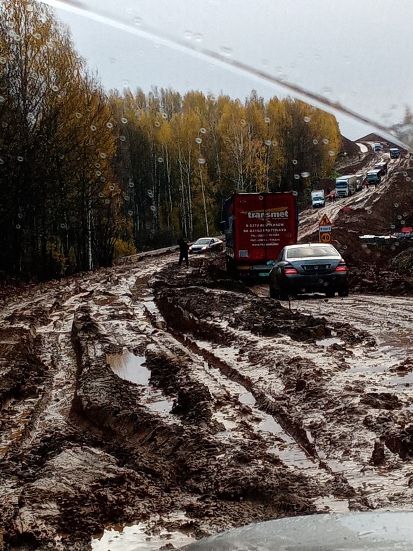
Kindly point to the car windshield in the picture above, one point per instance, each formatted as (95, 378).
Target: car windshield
(310, 252)
(203, 241)
(156, 386)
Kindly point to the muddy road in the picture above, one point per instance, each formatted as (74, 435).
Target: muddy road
(145, 406)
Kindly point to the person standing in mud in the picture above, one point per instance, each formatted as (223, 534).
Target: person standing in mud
(183, 252)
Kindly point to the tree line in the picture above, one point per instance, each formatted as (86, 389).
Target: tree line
(86, 175)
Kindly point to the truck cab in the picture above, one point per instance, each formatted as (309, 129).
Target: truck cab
(394, 153)
(374, 176)
(377, 147)
(346, 185)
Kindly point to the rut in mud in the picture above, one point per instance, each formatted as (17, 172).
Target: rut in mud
(183, 403)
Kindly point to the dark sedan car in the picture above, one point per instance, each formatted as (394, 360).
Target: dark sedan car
(308, 268)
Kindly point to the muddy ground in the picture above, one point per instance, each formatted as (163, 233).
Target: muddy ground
(181, 403)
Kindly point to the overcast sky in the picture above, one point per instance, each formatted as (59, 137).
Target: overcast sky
(355, 52)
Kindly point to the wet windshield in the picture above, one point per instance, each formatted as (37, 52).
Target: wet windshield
(156, 385)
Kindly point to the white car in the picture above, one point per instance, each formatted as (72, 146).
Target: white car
(206, 244)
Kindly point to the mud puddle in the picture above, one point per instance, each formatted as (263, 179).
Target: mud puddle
(132, 368)
(129, 367)
(145, 537)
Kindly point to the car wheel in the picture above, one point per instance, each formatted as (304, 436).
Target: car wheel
(343, 293)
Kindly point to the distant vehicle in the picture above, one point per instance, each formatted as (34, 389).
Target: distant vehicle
(313, 267)
(382, 166)
(394, 152)
(206, 244)
(374, 176)
(359, 182)
(318, 199)
(346, 185)
(257, 226)
(377, 147)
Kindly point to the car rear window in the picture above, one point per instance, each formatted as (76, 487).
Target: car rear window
(308, 252)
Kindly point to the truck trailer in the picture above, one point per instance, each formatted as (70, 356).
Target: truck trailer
(257, 227)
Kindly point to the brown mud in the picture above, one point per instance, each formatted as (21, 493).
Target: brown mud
(181, 402)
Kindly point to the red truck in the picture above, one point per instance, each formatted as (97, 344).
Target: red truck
(257, 226)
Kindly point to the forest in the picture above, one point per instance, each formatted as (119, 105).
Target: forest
(88, 174)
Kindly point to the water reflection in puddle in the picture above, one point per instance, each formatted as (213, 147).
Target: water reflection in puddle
(162, 406)
(247, 399)
(129, 367)
(329, 341)
(139, 538)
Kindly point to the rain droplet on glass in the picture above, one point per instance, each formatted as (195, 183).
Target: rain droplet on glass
(198, 140)
(130, 212)
(124, 120)
(93, 128)
(157, 124)
(18, 226)
(20, 159)
(109, 125)
(225, 51)
(164, 116)
(307, 119)
(102, 155)
(295, 162)
(112, 187)
(78, 115)
(325, 141)
(331, 153)
(296, 176)
(202, 130)
(122, 138)
(315, 141)
(55, 88)
(201, 161)
(131, 184)
(268, 142)
(267, 120)
(160, 159)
